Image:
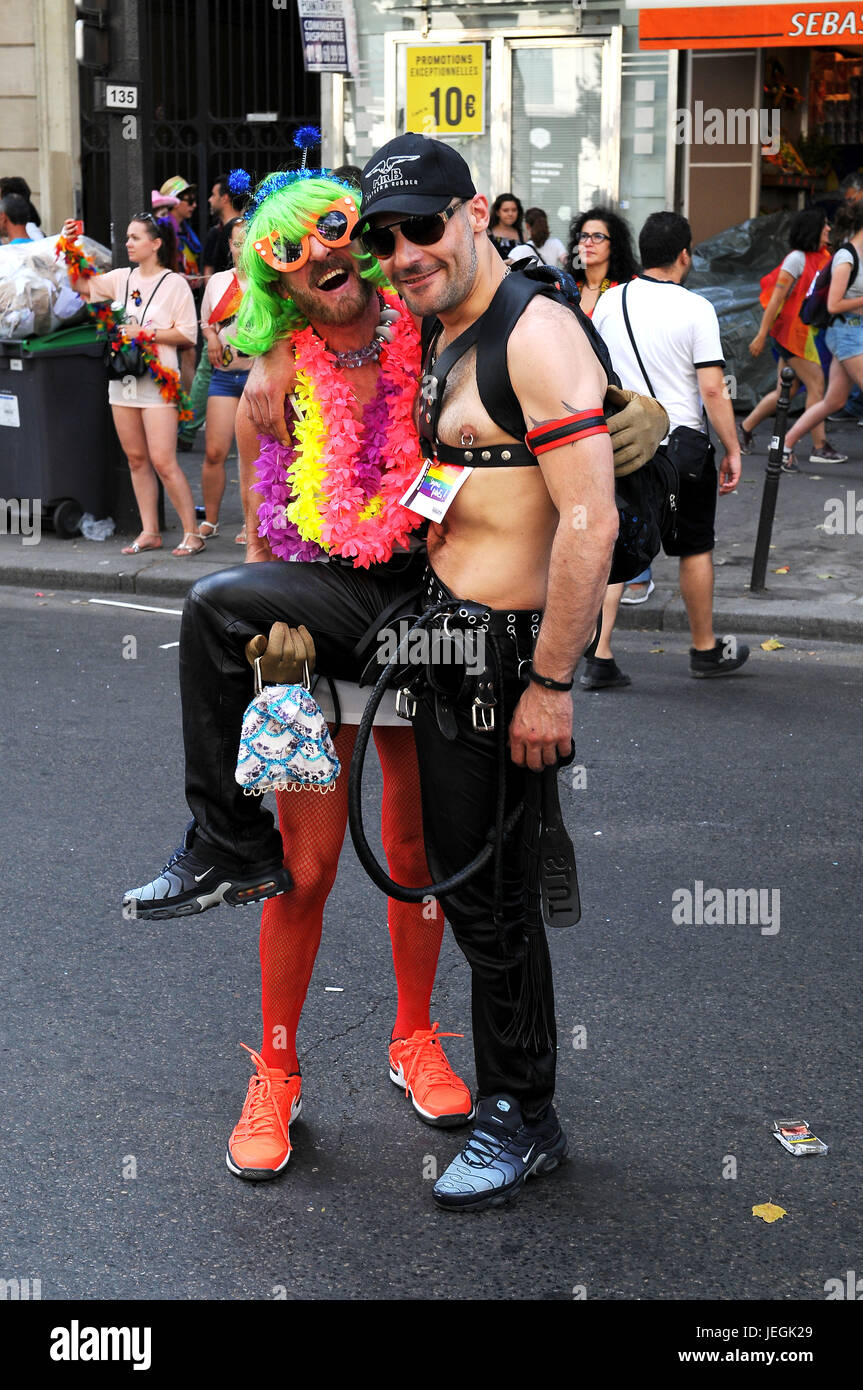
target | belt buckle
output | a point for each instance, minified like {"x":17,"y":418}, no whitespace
{"x":482,"y":716}
{"x":406,"y":703}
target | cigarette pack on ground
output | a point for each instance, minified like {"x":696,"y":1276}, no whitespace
{"x":797,"y":1137}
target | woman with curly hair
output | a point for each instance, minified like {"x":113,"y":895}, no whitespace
{"x":505,"y":224}
{"x":601,"y":253}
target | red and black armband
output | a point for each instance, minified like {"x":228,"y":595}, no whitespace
{"x":553,"y":434}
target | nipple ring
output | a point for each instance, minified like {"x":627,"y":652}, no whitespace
{"x":467,"y":440}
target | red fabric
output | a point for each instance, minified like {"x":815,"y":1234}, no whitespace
{"x":789,"y":330}
{"x":313,"y":827}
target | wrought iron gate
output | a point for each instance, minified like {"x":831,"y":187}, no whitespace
{"x":205,"y":67}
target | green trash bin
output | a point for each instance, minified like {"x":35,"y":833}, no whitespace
{"x":58,"y":444}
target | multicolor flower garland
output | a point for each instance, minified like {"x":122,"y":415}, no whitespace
{"x":79,"y":267}
{"x":336,"y":490}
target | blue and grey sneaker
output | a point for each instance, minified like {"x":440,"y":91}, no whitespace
{"x":189,"y":884}
{"x":499,"y":1155}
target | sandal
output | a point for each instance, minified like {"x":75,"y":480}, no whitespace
{"x":212,"y":530}
{"x":136,"y":547}
{"x":241,"y":538}
{"x":185,"y":548}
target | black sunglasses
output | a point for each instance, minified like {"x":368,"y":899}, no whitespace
{"x":420,"y":231}
{"x":145,"y":217}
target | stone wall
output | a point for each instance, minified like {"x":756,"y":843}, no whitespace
{"x":39,"y":137}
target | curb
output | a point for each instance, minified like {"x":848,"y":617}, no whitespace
{"x":766,"y":615}
{"x":829,"y":622}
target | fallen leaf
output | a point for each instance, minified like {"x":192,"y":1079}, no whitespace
{"x":655,"y":650}
{"x":783,"y":569}
{"x":769,"y":1212}
{"x":771,"y":645}
{"x":815,"y":477}
{"x":825,"y":576}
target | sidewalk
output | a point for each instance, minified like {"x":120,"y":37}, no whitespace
{"x":820,"y":595}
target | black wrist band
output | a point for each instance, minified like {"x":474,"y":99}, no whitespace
{"x":546,"y":681}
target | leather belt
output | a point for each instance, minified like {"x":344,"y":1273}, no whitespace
{"x":519,"y":624}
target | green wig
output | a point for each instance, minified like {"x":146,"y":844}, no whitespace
{"x":265,"y":315}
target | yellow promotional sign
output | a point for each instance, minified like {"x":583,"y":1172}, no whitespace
{"x":445,"y":90}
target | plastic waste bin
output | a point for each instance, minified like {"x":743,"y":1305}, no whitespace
{"x":57,"y":438}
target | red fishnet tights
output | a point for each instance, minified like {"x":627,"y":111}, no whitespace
{"x":313,"y":828}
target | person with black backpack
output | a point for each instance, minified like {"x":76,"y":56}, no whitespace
{"x":666,"y":338}
{"x":844,"y":337}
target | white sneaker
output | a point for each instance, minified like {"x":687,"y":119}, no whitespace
{"x":639,"y":593}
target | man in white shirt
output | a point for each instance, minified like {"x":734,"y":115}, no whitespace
{"x":676,"y":334}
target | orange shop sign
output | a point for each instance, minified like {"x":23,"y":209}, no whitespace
{"x":751,"y":26}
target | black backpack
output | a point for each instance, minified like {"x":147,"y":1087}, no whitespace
{"x":646,"y":499}
{"x":814,"y":310}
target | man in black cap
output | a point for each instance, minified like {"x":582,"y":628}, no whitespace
{"x":522,"y":523}
{"x":532,"y":546}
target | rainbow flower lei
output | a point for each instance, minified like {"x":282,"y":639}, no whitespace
{"x":336,"y":489}
{"x":79,"y":267}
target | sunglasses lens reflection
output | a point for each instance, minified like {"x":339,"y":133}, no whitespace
{"x":333,"y":225}
{"x":284,"y":250}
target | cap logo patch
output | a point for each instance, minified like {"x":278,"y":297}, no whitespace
{"x":389,"y":174}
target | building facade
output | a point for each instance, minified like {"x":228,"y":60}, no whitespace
{"x":720,"y":111}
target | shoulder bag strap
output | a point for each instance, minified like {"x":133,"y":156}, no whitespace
{"x":635,"y":344}
{"x":152,"y":296}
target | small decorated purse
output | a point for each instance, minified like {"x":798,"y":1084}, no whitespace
{"x":285,"y":744}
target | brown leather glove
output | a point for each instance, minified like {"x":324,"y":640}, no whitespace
{"x":636,"y":430}
{"x":284,"y":655}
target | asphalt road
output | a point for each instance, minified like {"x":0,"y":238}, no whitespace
{"x":119,"y":1039}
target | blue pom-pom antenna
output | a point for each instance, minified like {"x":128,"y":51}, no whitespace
{"x":307,"y":136}
{"x":239,"y":181}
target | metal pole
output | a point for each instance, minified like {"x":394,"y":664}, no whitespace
{"x":771,"y":484}
{"x":129,"y":193}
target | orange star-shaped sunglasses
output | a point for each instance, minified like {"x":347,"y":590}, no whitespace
{"x":332,"y":228}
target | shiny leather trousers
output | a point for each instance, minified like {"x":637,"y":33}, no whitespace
{"x":458,"y":777}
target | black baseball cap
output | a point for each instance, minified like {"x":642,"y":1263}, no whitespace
{"x":414,"y":175}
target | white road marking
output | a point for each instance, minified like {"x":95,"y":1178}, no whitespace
{"x":144,"y":607}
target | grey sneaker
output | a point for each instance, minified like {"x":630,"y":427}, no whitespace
{"x":827,"y":455}
{"x":745,"y":438}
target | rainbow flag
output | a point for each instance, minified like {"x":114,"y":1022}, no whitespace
{"x":229,"y":303}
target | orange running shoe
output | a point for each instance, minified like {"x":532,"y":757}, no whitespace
{"x":418,"y":1064}
{"x":260,"y":1146}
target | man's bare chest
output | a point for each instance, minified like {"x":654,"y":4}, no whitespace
{"x":463,"y":419}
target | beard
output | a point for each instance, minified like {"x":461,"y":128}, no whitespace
{"x":322,"y":306}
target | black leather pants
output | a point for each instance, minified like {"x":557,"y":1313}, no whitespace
{"x":222,"y":612}
{"x":459,"y":779}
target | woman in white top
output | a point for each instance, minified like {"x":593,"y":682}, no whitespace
{"x":158,"y":300}
{"x":550,"y":249}
{"x":844,"y":337}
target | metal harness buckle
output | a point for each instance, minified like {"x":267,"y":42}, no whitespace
{"x":482,"y":715}
{"x":406,"y":703}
